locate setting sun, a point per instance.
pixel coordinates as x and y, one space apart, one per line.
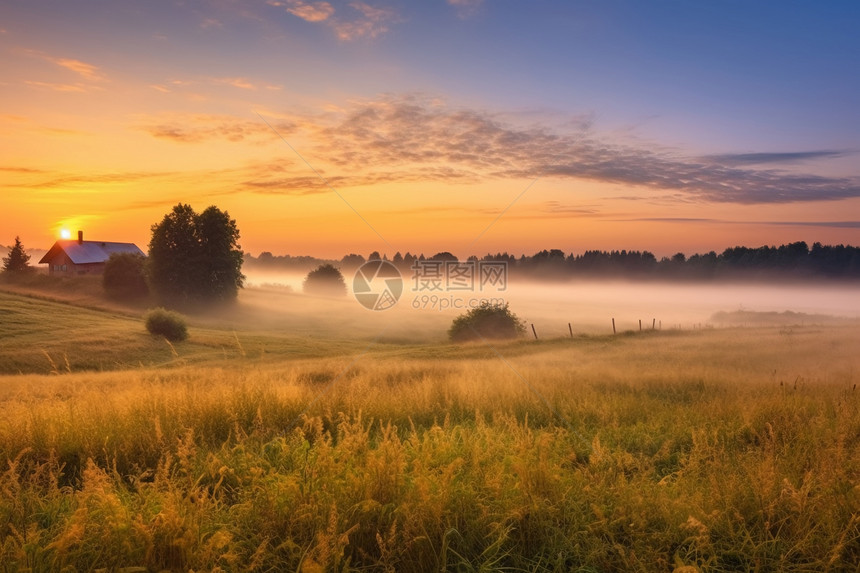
65 234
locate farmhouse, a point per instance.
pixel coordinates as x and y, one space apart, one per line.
80 257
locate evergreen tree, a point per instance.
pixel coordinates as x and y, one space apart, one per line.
17 261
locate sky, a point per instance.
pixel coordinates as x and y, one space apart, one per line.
470 126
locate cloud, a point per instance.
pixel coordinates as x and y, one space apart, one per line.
360 21
308 11
77 88
404 132
763 158
371 22
829 224
241 83
87 71
201 128
208 23
413 138
466 8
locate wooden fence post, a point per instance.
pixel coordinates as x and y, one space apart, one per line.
613 326
534 331
570 328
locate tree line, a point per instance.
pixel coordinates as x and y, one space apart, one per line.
792 260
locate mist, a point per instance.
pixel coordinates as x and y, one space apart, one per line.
275 301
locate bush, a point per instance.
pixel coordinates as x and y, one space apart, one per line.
325 280
124 277
486 321
166 323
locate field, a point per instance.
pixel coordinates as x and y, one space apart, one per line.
267 446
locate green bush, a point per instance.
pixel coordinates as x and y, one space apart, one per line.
486 321
166 323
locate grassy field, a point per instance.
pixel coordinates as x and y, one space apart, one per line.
252 447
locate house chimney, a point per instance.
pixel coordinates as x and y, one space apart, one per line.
80 237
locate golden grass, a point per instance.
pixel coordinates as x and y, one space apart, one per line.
720 450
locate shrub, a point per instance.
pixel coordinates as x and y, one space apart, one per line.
124 276
325 280
166 323
486 321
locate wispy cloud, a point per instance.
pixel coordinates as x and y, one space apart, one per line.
765 158
466 8
308 11
421 139
77 88
371 23
87 71
241 83
200 128
359 20
413 130
209 23
825 224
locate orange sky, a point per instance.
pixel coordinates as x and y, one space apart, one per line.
312 157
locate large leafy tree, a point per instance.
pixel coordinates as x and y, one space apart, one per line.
17 261
195 257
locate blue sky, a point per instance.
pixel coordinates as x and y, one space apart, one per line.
634 117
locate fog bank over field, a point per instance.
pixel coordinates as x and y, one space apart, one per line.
593 304
589 306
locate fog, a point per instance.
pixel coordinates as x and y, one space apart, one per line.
276 301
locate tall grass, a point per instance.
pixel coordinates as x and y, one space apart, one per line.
715 451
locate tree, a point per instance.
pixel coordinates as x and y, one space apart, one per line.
195 257
17 261
325 280
125 276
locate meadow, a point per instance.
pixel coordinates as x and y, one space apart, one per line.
259 445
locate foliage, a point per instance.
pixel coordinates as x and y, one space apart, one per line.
195 257
124 276
167 323
486 321
17 261
325 280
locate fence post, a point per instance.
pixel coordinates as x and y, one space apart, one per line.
534 331
613 326
570 328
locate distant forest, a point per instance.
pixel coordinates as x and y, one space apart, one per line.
794 260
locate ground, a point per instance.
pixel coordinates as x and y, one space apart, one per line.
313 445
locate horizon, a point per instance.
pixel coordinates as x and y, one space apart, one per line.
337 127
516 254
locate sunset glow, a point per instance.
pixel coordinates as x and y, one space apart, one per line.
326 128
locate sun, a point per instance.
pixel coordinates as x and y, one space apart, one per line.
65 234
